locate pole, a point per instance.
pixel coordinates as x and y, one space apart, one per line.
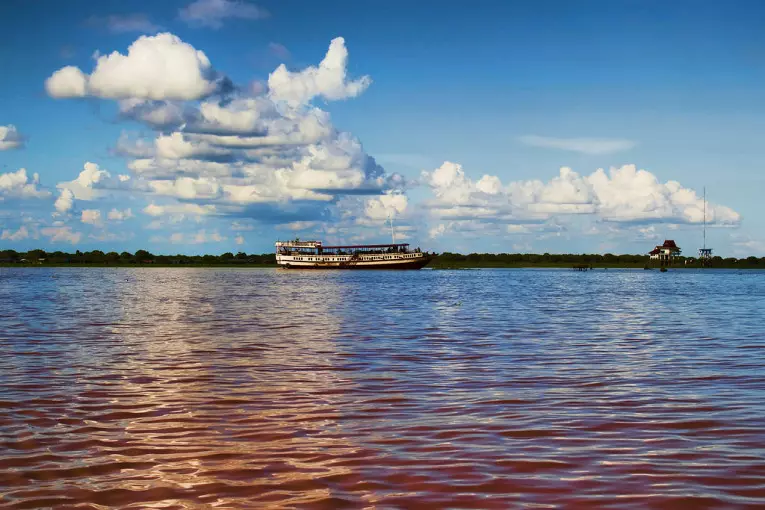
392 232
705 217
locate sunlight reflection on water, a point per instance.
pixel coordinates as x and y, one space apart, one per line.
217 387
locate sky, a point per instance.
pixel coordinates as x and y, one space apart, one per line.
214 126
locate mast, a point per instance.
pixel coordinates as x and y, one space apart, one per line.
392 232
705 217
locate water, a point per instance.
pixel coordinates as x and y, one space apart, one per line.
203 388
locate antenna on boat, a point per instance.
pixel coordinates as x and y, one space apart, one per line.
392 232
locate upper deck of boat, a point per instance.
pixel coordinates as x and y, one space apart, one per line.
316 247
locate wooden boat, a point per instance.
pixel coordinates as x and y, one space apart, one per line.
313 255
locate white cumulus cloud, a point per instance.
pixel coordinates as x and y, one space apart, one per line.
328 80
385 206
156 67
191 209
117 215
68 81
91 216
623 194
10 138
245 153
91 182
18 185
65 201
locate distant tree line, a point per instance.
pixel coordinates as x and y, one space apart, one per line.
444 260
568 260
141 257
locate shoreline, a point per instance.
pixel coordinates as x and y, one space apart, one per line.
436 267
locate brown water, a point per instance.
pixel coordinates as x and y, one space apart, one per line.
205 388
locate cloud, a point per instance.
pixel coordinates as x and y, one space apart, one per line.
385 206
103 235
648 232
91 216
125 23
137 147
177 146
621 195
19 185
117 215
212 13
237 226
92 182
68 81
299 225
155 67
192 209
157 114
10 138
200 237
21 234
592 146
251 150
269 155
61 234
188 188
328 80
239 240
65 201
747 246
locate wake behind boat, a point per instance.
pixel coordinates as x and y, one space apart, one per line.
313 255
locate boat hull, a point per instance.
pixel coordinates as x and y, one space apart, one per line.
414 264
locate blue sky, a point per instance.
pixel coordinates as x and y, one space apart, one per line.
454 119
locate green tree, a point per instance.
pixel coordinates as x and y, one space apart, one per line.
36 254
143 255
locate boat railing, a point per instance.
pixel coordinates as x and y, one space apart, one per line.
291 251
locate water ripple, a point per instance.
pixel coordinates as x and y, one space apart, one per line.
207 388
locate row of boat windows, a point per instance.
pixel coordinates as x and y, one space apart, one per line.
339 259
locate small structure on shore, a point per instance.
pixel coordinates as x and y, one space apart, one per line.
664 253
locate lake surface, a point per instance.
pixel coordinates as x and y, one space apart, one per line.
204 388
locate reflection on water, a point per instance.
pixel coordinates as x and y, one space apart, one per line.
197 388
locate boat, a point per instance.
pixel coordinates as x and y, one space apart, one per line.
314 255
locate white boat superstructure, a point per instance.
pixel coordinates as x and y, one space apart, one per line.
313 255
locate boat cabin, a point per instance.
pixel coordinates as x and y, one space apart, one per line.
316 248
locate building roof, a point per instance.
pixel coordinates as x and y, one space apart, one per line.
669 243
655 251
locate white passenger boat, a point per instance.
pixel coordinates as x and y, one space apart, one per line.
313 255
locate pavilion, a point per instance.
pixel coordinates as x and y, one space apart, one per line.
664 253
